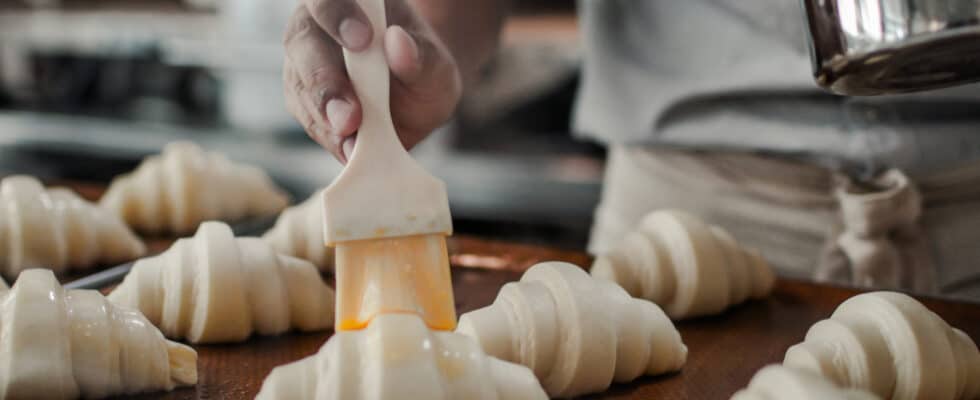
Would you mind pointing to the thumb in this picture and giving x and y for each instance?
(426, 84)
(403, 54)
(419, 60)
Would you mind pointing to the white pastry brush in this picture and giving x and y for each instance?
(387, 217)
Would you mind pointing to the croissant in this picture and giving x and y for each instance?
(780, 382)
(65, 344)
(56, 229)
(299, 233)
(686, 266)
(890, 344)
(576, 333)
(184, 186)
(398, 357)
(215, 288)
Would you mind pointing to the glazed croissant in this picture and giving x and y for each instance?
(890, 344)
(398, 357)
(217, 288)
(56, 229)
(686, 266)
(576, 333)
(299, 233)
(184, 186)
(65, 344)
(780, 382)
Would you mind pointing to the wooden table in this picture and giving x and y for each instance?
(725, 350)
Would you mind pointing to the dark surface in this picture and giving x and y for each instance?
(725, 350)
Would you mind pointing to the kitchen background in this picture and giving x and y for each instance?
(89, 87)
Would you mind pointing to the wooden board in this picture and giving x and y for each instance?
(725, 350)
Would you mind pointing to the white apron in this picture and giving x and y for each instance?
(808, 221)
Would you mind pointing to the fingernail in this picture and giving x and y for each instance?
(354, 33)
(338, 111)
(413, 48)
(403, 54)
(348, 147)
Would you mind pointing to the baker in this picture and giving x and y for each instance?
(707, 106)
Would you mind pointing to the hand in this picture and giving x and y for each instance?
(425, 84)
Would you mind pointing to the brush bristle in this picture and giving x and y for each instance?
(408, 274)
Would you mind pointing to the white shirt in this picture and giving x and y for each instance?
(736, 75)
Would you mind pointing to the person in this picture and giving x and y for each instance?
(707, 106)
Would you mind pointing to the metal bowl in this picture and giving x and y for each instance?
(870, 47)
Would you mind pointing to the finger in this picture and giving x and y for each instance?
(294, 90)
(319, 63)
(347, 148)
(304, 119)
(416, 54)
(425, 75)
(402, 53)
(313, 127)
(343, 20)
(417, 58)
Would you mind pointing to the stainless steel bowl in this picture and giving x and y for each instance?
(869, 47)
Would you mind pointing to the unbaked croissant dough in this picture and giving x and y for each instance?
(892, 345)
(217, 288)
(65, 344)
(686, 266)
(299, 233)
(576, 333)
(777, 382)
(56, 229)
(398, 357)
(184, 186)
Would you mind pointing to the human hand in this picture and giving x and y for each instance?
(425, 84)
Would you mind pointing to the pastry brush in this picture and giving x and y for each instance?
(385, 215)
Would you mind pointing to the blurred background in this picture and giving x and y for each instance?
(90, 87)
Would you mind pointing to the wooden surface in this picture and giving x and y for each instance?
(725, 350)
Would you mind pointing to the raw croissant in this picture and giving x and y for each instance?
(576, 333)
(892, 345)
(398, 357)
(686, 266)
(776, 382)
(184, 186)
(217, 288)
(59, 344)
(56, 229)
(299, 233)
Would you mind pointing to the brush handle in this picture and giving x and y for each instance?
(382, 192)
(369, 73)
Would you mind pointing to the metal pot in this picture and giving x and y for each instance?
(869, 47)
